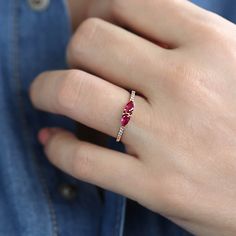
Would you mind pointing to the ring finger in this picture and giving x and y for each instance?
(89, 100)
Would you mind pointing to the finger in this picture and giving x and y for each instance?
(165, 21)
(117, 55)
(89, 100)
(106, 168)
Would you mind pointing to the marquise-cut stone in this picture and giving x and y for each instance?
(128, 110)
(125, 120)
(129, 107)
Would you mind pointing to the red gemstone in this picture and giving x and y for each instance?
(129, 107)
(125, 120)
(128, 110)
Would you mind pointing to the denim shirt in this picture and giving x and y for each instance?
(36, 199)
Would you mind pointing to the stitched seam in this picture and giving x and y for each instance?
(67, 14)
(123, 214)
(26, 128)
(117, 229)
(118, 216)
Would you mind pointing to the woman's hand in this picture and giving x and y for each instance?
(181, 140)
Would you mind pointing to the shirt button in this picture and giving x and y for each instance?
(68, 191)
(38, 5)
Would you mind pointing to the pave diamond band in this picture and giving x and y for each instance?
(126, 116)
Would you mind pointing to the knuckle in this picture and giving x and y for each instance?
(210, 33)
(218, 34)
(217, 38)
(180, 73)
(79, 42)
(211, 27)
(183, 79)
(67, 90)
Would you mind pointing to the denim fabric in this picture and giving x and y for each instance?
(31, 202)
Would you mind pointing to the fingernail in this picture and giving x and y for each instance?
(44, 135)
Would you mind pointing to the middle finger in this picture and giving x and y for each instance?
(117, 55)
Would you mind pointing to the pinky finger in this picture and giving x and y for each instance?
(106, 168)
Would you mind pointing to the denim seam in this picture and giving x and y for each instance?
(117, 226)
(68, 16)
(122, 223)
(26, 129)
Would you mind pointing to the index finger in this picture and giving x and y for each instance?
(164, 21)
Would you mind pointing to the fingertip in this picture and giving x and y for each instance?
(44, 135)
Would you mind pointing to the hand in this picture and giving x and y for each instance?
(78, 10)
(181, 140)
(82, 9)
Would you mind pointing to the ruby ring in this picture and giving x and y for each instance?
(126, 116)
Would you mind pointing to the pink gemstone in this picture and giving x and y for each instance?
(125, 120)
(129, 107)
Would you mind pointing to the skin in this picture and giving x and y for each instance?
(78, 10)
(181, 140)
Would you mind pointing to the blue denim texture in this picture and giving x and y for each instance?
(30, 200)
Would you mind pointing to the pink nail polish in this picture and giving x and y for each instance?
(44, 135)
